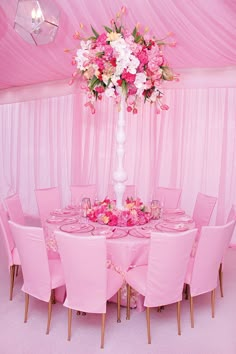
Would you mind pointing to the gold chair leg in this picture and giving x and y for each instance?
(186, 291)
(221, 280)
(118, 305)
(178, 317)
(103, 330)
(148, 324)
(191, 312)
(213, 303)
(17, 270)
(53, 297)
(26, 306)
(128, 302)
(69, 323)
(12, 278)
(49, 314)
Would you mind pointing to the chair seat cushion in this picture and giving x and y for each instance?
(136, 278)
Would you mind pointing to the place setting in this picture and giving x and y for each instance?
(77, 227)
(174, 227)
(110, 232)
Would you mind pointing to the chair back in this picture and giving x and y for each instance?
(8, 240)
(34, 261)
(14, 208)
(48, 199)
(167, 263)
(232, 214)
(78, 192)
(213, 243)
(203, 209)
(170, 197)
(84, 265)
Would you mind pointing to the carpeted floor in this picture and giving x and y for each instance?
(210, 336)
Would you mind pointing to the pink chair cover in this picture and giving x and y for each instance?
(47, 200)
(78, 192)
(232, 214)
(89, 284)
(170, 197)
(203, 209)
(202, 274)
(11, 250)
(162, 280)
(14, 208)
(40, 274)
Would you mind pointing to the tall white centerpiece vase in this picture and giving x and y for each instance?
(120, 175)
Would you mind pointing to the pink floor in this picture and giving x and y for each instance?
(210, 336)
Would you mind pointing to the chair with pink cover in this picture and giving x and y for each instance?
(169, 197)
(16, 213)
(10, 247)
(161, 281)
(202, 212)
(203, 209)
(78, 192)
(48, 199)
(40, 274)
(203, 268)
(14, 208)
(89, 283)
(231, 216)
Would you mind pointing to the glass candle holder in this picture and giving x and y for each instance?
(85, 206)
(155, 209)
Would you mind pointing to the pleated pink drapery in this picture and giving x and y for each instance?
(55, 141)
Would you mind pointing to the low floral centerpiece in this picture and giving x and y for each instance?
(106, 213)
(121, 62)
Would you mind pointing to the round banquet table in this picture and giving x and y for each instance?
(127, 247)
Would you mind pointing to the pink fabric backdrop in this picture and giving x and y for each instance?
(55, 141)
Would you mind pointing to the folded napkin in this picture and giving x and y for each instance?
(77, 227)
(55, 220)
(176, 219)
(164, 226)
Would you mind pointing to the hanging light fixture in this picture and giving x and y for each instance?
(37, 22)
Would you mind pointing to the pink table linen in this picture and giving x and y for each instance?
(123, 251)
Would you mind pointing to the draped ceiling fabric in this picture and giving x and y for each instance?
(49, 138)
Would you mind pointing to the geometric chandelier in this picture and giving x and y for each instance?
(37, 22)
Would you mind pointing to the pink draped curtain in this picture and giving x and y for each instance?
(54, 140)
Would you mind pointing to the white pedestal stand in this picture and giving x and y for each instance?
(120, 176)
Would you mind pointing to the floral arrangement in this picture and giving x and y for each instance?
(134, 213)
(120, 62)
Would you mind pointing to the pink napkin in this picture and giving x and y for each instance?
(178, 219)
(55, 220)
(164, 226)
(77, 227)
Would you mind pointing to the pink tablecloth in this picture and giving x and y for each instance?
(122, 253)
